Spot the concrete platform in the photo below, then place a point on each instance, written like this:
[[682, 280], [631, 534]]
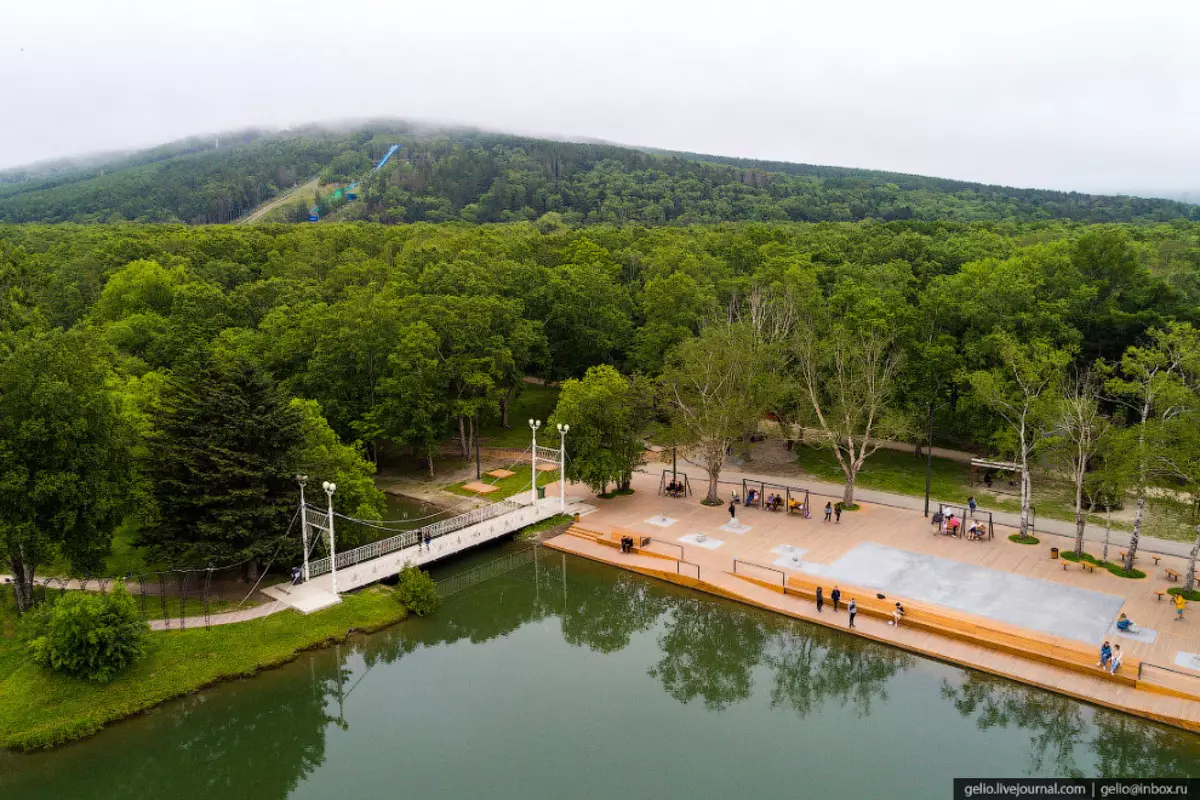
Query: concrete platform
[[305, 598]]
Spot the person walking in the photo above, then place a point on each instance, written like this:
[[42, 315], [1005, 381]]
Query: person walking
[[972, 505], [820, 599], [428, 539], [732, 512], [828, 511], [853, 609], [837, 513], [835, 596], [1180, 604]]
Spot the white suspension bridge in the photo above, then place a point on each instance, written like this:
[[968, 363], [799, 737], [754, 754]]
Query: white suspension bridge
[[324, 578]]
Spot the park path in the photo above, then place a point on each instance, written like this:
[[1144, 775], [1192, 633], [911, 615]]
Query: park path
[[223, 618], [1092, 533]]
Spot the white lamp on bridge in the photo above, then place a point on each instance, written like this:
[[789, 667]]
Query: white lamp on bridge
[[330, 488], [534, 424], [562, 465]]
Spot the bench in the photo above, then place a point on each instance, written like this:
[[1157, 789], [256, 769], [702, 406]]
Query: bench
[[1087, 566], [1056, 651], [1161, 593], [1125, 554], [1156, 559], [639, 539], [1172, 575]]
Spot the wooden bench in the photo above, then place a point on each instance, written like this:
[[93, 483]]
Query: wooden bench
[[639, 539], [1125, 555], [1156, 559], [1172, 575], [1161, 593], [1053, 650], [1088, 566]]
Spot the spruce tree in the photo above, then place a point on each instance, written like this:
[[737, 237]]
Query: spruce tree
[[222, 463]]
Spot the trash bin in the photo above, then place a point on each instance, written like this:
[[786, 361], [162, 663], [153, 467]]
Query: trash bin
[[541, 493], [1054, 552]]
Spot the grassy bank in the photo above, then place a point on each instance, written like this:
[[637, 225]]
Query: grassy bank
[[534, 402], [505, 487], [40, 708]]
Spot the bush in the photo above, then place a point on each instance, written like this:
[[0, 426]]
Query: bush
[[88, 635], [417, 592], [1193, 596], [1016, 538], [1116, 568]]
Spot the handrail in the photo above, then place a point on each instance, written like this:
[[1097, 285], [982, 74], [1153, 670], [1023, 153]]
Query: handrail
[[1143, 664], [782, 574], [672, 544], [407, 539], [679, 571]]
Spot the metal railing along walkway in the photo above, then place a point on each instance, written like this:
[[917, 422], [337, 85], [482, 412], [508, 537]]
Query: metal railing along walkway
[[410, 538]]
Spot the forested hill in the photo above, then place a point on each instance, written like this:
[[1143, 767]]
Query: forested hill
[[470, 176]]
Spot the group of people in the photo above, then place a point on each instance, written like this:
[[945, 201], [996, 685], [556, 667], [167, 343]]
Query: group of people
[[1110, 657], [833, 512], [836, 598], [675, 489], [774, 502], [626, 544]]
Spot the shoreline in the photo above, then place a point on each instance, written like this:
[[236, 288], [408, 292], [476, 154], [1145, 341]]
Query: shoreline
[[167, 671], [964, 655]]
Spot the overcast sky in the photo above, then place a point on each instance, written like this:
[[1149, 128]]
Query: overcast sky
[[1096, 96]]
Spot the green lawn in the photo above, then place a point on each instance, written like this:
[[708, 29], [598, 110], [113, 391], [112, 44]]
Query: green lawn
[[893, 471], [534, 402], [901, 472], [41, 708], [506, 487]]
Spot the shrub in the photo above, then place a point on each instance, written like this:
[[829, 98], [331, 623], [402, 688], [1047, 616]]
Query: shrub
[[1116, 568], [88, 635], [417, 592], [1016, 538], [1194, 596]]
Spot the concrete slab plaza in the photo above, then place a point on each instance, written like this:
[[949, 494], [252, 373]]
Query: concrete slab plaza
[[897, 551], [1034, 603]]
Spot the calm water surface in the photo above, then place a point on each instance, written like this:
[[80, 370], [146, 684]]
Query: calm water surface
[[597, 683]]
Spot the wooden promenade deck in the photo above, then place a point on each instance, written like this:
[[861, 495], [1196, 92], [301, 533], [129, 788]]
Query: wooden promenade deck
[[1161, 690]]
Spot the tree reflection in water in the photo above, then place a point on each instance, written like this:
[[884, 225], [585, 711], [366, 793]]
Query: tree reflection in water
[[1124, 746], [813, 665]]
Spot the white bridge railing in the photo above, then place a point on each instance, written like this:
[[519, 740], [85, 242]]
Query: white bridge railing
[[409, 538], [548, 455]]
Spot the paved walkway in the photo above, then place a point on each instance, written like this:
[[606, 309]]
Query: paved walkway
[[1093, 533], [223, 618]]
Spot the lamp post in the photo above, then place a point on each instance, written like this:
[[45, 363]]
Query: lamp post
[[929, 454], [562, 466], [534, 424], [330, 488], [302, 480]]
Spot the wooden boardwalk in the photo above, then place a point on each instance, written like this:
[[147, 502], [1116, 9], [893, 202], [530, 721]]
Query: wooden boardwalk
[[1164, 691]]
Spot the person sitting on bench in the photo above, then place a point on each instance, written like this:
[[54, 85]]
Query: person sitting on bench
[[952, 523], [793, 505], [1124, 624], [897, 614], [626, 544], [976, 531], [751, 497], [735, 497]]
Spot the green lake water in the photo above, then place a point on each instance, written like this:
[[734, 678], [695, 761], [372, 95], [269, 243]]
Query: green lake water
[[594, 683]]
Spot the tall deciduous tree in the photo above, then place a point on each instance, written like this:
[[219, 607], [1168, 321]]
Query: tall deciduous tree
[[1017, 390], [607, 412], [223, 462], [1077, 430], [65, 464], [718, 387], [1151, 385]]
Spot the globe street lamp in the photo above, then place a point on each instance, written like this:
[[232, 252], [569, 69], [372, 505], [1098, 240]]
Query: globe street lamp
[[533, 426], [562, 465], [330, 488], [302, 480]]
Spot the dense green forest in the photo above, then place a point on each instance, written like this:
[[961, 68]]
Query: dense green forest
[[124, 349], [460, 175]]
